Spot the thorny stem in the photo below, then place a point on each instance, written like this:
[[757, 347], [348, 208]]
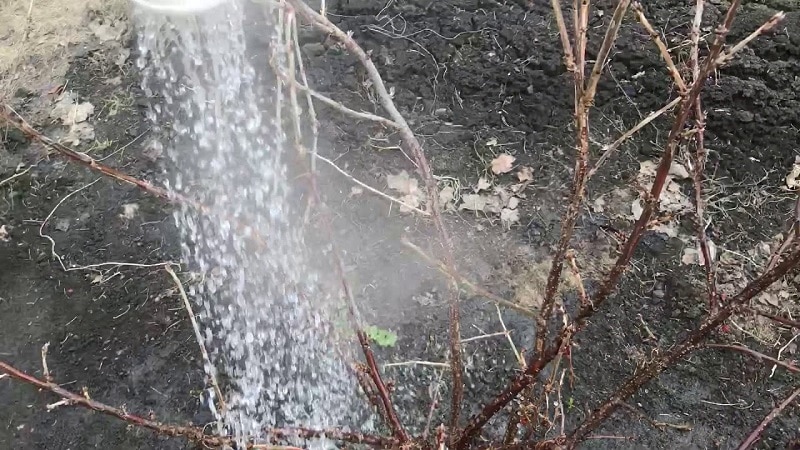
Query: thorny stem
[[699, 162], [651, 204], [193, 434], [651, 369], [755, 435], [662, 48], [546, 356], [584, 97], [740, 348], [410, 140], [9, 116]]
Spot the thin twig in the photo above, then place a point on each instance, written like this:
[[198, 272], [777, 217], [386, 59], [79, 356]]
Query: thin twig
[[472, 287], [755, 435], [410, 140], [609, 149], [662, 48], [726, 57], [9, 116], [209, 368], [370, 188], [677, 352], [373, 371], [193, 434], [779, 319], [16, 175]]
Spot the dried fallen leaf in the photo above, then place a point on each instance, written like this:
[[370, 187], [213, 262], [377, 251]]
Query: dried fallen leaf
[[512, 203], [79, 132], [491, 142], [483, 184], [636, 209], [792, 181], [599, 204], [695, 255], [407, 186], [129, 210], [473, 202], [403, 183], [525, 173], [446, 195], [503, 163], [678, 171], [509, 216], [69, 111], [4, 234]]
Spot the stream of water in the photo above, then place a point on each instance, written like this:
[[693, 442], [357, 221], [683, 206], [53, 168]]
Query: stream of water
[[263, 316]]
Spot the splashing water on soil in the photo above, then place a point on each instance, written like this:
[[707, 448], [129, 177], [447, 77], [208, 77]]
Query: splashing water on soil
[[262, 310]]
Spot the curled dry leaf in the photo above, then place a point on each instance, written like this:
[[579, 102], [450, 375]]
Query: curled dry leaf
[[509, 216], [695, 255], [69, 111], [408, 186], [446, 196], [599, 205], [129, 210], [483, 184], [473, 202], [525, 173], [4, 234], [678, 171], [503, 163], [792, 181]]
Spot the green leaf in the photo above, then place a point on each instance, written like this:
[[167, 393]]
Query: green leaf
[[384, 338]]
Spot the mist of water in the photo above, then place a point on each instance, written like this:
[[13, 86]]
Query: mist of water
[[262, 311]]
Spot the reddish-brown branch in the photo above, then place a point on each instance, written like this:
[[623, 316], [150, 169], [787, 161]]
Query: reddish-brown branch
[[755, 435], [741, 348], [651, 204], [193, 434], [10, 117], [779, 319], [653, 368], [584, 97]]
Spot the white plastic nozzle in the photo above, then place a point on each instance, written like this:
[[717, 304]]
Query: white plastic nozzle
[[180, 6]]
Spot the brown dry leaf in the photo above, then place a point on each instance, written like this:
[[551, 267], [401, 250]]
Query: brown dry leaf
[[129, 210], [69, 111], [525, 173], [599, 205], [503, 163], [79, 132], [483, 184], [4, 234], [792, 181], [446, 195], [509, 217], [403, 183], [678, 171], [637, 209], [473, 202]]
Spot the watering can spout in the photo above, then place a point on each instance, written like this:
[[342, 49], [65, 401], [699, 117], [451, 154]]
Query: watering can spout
[[180, 6]]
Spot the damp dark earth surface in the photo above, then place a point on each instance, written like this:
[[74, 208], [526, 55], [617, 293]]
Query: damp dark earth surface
[[475, 80]]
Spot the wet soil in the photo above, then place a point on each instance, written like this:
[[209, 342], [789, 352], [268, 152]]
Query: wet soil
[[463, 73]]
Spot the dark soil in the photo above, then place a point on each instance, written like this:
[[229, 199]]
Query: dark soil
[[462, 72]]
